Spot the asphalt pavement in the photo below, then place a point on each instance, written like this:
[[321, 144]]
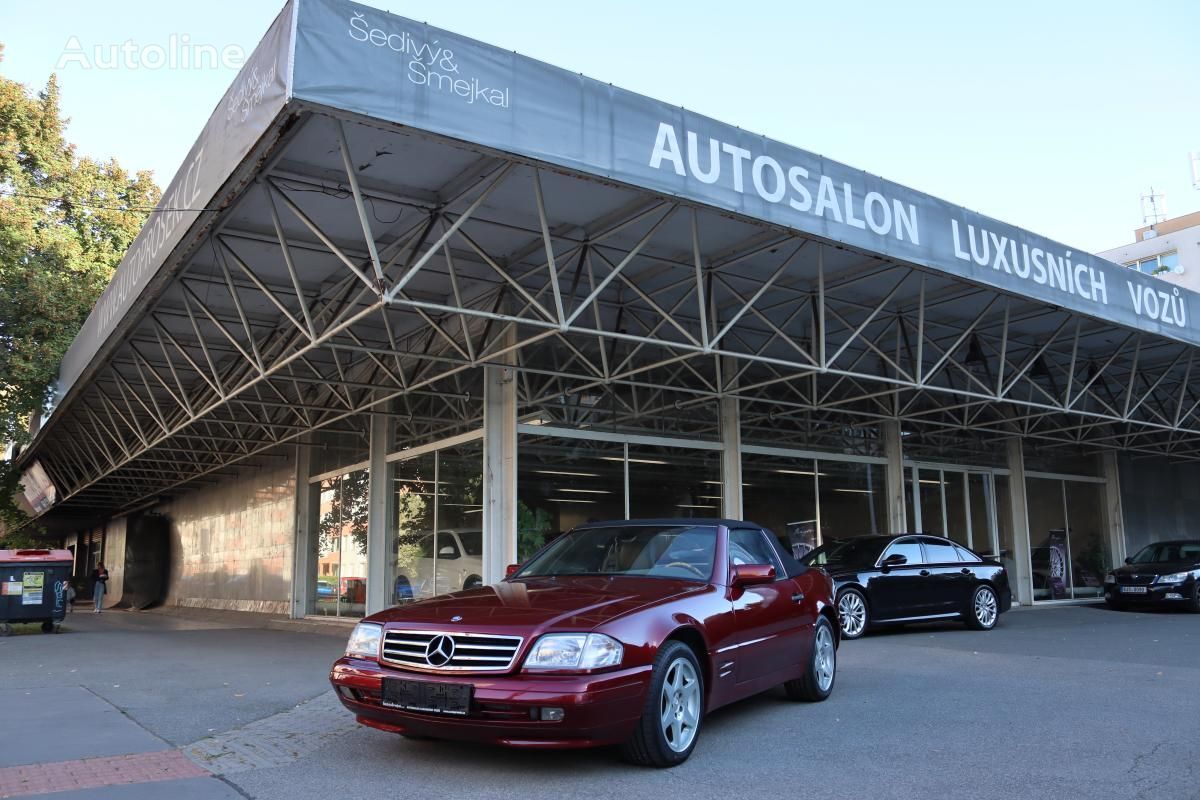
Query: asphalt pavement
[[1076, 699]]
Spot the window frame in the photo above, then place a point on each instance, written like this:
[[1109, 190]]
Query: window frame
[[775, 562], [902, 540]]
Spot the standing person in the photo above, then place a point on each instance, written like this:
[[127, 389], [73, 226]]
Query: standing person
[[100, 584]]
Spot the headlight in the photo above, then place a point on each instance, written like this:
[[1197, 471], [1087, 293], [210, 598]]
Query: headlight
[[1174, 577], [574, 651], [364, 640]]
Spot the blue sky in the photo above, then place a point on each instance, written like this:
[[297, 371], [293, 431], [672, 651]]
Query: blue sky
[[1055, 116]]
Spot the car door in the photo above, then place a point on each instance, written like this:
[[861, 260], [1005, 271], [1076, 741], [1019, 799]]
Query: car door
[[900, 590], [950, 580], [767, 615]]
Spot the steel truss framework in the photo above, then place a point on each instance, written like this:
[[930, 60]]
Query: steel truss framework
[[371, 269]]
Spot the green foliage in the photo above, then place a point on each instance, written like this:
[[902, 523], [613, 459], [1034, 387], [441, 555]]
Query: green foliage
[[532, 526], [65, 223], [347, 513]]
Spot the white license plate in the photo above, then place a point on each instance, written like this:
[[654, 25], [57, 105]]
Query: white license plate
[[1133, 590]]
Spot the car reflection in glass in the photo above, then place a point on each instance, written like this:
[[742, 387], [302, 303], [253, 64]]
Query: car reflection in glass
[[888, 580]]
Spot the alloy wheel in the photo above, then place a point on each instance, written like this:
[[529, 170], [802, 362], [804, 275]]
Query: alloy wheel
[[825, 658], [985, 607], [679, 706], [853, 614]]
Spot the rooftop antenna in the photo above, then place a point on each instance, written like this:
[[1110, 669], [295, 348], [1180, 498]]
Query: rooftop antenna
[[1154, 208]]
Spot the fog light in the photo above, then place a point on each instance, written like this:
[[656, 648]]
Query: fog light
[[1174, 596], [347, 692], [552, 714]]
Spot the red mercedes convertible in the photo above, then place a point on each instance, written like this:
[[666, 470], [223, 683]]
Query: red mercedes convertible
[[622, 633]]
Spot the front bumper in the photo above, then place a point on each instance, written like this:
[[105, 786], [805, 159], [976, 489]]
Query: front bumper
[[599, 709], [1155, 594]]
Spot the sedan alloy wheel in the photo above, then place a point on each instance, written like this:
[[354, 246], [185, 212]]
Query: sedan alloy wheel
[[984, 609], [852, 611]]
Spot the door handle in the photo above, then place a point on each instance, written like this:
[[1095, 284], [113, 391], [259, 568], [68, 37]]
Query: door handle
[[924, 573], [798, 597]]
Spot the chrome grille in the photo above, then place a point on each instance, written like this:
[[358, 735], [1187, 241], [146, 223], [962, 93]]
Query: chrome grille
[[1127, 579], [472, 652]]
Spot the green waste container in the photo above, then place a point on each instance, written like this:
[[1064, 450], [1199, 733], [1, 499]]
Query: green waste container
[[33, 587]]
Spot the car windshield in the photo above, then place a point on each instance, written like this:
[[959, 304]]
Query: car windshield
[[1166, 552], [656, 551], [863, 550]]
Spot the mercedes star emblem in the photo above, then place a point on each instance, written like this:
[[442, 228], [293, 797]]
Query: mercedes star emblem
[[439, 651]]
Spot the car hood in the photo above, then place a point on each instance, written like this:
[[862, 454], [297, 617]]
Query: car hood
[[540, 604], [1156, 568]]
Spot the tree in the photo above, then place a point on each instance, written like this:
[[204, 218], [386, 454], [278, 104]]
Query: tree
[[65, 223]]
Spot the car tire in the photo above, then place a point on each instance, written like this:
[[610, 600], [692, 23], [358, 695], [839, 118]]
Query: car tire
[[472, 582], [674, 708], [47, 627], [854, 615], [984, 610], [816, 684], [1194, 604]]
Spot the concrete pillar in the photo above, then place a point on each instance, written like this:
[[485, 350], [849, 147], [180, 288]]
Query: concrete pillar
[[304, 552], [378, 499], [499, 471], [1114, 515], [1021, 583], [731, 458], [893, 450]]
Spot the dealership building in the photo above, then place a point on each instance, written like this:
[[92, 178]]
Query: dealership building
[[415, 304]]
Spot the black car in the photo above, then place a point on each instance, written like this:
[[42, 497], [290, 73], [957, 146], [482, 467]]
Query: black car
[[1166, 573], [911, 578]]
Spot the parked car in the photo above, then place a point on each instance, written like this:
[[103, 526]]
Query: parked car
[[325, 590], [459, 564], [911, 578], [1166, 573], [624, 632]]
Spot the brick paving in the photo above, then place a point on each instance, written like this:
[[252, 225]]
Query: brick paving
[[277, 740], [91, 773]]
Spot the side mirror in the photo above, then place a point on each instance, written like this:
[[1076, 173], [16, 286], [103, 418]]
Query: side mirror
[[895, 560], [1128, 559], [446, 552], [751, 575], [511, 570]]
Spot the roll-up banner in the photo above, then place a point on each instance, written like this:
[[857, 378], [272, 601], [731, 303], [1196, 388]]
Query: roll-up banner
[[370, 62]]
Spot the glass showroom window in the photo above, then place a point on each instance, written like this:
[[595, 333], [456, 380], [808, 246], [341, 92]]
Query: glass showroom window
[[341, 584], [780, 493], [852, 499], [436, 534], [668, 482], [564, 482]]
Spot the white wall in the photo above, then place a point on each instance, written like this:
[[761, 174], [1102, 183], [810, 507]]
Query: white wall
[[1186, 242], [232, 544]]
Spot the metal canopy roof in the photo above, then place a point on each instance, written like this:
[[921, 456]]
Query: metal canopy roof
[[348, 263]]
